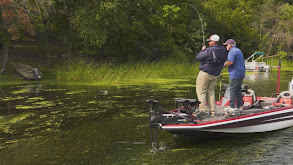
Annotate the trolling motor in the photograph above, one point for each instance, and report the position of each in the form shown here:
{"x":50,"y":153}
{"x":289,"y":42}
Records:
{"x":153,"y":112}
{"x":182,"y":114}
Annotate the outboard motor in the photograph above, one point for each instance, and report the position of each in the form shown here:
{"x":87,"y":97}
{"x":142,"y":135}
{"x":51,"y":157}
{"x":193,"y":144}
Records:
{"x":35,"y":72}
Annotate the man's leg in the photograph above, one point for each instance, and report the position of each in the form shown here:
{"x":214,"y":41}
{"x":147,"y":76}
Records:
{"x":211,"y":94}
{"x":239,"y":96}
{"x":201,"y":90}
{"x":233,"y":91}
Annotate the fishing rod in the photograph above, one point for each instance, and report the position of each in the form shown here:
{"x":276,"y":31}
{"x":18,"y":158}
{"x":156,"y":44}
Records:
{"x":220,"y":92}
{"x":203,"y":38}
{"x":279,"y":73}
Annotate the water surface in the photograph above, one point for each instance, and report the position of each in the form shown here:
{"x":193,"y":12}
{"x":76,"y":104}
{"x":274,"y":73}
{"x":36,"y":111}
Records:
{"x":78,"y":124}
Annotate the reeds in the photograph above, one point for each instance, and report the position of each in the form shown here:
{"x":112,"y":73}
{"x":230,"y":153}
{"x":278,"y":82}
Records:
{"x":83,"y":71}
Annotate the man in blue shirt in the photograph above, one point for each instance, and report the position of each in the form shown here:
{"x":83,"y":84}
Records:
{"x":236,"y":70}
{"x":211,"y":61}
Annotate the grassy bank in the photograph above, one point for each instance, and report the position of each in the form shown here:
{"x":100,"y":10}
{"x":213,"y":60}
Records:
{"x":285,"y":64}
{"x":83,"y":71}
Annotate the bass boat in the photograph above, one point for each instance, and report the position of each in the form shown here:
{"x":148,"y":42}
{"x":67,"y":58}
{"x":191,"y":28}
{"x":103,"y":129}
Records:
{"x":259,"y":114}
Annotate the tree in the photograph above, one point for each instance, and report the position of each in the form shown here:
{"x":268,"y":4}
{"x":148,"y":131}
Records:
{"x":232,"y":19}
{"x":39,"y":14}
{"x":16,"y":21}
{"x":131,"y":30}
{"x":274,"y":23}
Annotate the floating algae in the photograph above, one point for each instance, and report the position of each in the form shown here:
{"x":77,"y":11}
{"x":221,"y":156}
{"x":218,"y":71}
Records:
{"x":53,"y":90}
{"x":13,"y":98}
{"x":75,"y":92}
{"x":92,"y":102}
{"x":36,"y":105}
{"x":33,"y":99}
{"x":25,"y":90}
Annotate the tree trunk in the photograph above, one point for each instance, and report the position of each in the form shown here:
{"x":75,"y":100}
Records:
{"x":69,"y":56}
{"x":272,"y":43}
{"x":47,"y":48}
{"x":46,"y":40}
{"x":4,"y":59}
{"x":69,"y":44}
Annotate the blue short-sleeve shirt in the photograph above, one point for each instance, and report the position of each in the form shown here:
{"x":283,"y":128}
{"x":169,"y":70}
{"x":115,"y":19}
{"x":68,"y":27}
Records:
{"x":237,"y":69}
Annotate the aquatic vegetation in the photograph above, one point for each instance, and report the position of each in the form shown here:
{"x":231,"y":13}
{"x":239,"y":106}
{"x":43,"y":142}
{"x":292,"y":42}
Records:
{"x":92,"y":102}
{"x":24,"y":90}
{"x":75,"y":92}
{"x":7,"y":122}
{"x":33,"y":99}
{"x":141,"y":115}
{"x":13,"y":98}
{"x":45,"y":103}
{"x":53,"y":90}
{"x":20,"y":117}
{"x":83,"y":71}
{"x":118,"y":96}
{"x":24,"y":107}
{"x":35,"y":105}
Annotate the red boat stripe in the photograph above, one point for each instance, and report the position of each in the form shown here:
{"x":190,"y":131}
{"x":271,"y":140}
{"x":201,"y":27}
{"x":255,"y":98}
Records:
{"x":215,"y":123}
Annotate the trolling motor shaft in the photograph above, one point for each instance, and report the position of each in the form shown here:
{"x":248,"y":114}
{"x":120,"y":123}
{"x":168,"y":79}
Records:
{"x":153,"y":110}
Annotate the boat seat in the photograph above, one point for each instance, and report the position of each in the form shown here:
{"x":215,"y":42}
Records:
{"x":285,"y":97}
{"x":249,"y":98}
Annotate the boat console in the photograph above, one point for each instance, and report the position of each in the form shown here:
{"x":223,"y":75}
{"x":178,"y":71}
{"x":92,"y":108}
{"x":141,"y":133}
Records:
{"x":187,"y":106}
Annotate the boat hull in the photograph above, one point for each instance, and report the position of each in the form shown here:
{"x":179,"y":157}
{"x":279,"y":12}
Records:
{"x":255,"y":123}
{"x":28,"y":72}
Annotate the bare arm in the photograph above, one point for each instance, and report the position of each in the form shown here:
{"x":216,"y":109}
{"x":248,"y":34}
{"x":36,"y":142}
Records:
{"x":228,"y":63}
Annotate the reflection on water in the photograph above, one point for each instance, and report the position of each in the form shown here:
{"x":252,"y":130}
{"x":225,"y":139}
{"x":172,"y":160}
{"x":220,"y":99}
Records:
{"x":265,"y":84}
{"x":44,"y":124}
{"x":258,"y":75}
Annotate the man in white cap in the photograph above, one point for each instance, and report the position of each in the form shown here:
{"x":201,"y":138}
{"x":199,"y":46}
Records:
{"x":211,"y":61}
{"x":236,"y":70}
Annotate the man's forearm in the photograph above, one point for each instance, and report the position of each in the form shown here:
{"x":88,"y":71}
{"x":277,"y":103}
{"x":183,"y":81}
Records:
{"x":228,"y":63}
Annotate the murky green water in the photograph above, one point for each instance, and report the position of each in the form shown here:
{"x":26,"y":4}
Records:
{"x":45,"y":124}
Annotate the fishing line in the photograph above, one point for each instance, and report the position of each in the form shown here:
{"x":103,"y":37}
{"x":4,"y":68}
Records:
{"x":203,"y":38}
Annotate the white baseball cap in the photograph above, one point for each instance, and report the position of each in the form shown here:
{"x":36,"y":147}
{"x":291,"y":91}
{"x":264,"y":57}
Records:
{"x":214,"y":37}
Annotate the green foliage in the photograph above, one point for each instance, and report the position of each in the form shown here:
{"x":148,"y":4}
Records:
{"x":231,"y":19}
{"x":274,"y":22}
{"x":147,"y":30}
{"x":150,"y":30}
{"x":285,"y":63}
{"x":282,"y":54}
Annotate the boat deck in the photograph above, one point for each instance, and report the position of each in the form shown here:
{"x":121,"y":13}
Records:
{"x":220,"y":114}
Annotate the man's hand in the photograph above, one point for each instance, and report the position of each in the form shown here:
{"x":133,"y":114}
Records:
{"x":203,"y":47}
